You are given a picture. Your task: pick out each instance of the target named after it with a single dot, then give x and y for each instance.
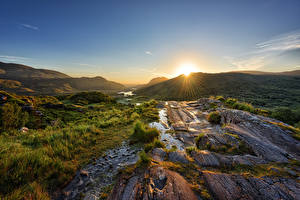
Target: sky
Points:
(133, 41)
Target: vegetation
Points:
(155, 144)
(62, 138)
(144, 160)
(295, 132)
(214, 117)
(26, 80)
(263, 90)
(142, 133)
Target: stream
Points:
(89, 182)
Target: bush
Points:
(198, 139)
(190, 149)
(230, 101)
(155, 144)
(214, 117)
(144, 160)
(144, 134)
(220, 98)
(243, 106)
(12, 116)
(286, 115)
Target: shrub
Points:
(243, 106)
(220, 98)
(285, 115)
(144, 134)
(144, 160)
(198, 139)
(230, 101)
(190, 149)
(155, 144)
(158, 144)
(12, 116)
(214, 117)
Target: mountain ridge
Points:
(261, 90)
(23, 79)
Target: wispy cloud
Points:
(86, 65)
(264, 52)
(8, 58)
(148, 53)
(28, 26)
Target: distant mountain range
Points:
(288, 73)
(23, 79)
(259, 88)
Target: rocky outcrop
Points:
(231, 187)
(260, 158)
(267, 140)
(210, 159)
(155, 183)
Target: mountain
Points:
(262, 90)
(287, 73)
(23, 79)
(17, 71)
(156, 80)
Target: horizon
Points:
(133, 42)
(175, 75)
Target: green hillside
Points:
(261, 90)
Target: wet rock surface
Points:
(89, 181)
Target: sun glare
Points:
(186, 69)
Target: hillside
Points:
(261, 90)
(17, 71)
(23, 79)
(287, 73)
(156, 80)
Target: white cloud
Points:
(148, 53)
(284, 42)
(13, 58)
(265, 51)
(28, 26)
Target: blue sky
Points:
(134, 41)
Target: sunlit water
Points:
(167, 138)
(127, 94)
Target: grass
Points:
(142, 133)
(214, 117)
(144, 161)
(37, 163)
(155, 144)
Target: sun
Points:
(186, 69)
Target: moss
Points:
(214, 117)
